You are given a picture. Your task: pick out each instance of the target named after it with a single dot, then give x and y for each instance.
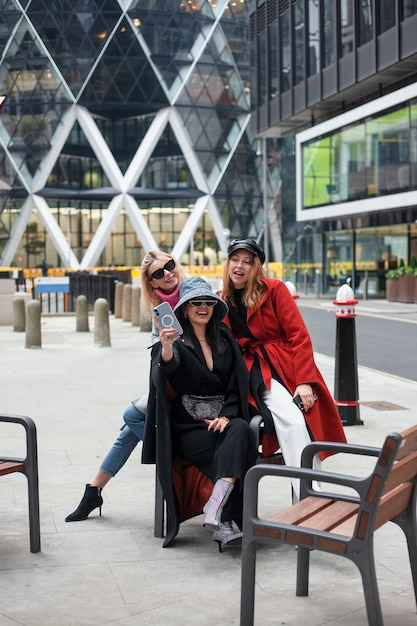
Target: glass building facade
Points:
(335, 101)
(126, 126)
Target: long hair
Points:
(213, 334)
(254, 289)
(149, 297)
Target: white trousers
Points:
(290, 428)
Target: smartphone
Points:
(297, 401)
(167, 318)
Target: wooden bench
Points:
(339, 524)
(29, 467)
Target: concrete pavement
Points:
(110, 569)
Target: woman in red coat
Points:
(278, 353)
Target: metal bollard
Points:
(306, 282)
(19, 315)
(318, 283)
(81, 314)
(33, 325)
(118, 298)
(127, 303)
(365, 286)
(135, 314)
(346, 388)
(101, 324)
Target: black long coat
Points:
(157, 442)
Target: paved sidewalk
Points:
(110, 569)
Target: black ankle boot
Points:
(90, 501)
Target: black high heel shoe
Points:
(227, 536)
(90, 501)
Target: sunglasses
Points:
(169, 266)
(199, 303)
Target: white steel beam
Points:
(102, 233)
(17, 232)
(101, 149)
(147, 146)
(139, 224)
(62, 245)
(190, 227)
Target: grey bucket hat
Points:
(196, 288)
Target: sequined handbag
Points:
(202, 407)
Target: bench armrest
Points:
(31, 439)
(306, 475)
(329, 446)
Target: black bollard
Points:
(346, 388)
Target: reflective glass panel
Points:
(346, 27)
(329, 30)
(365, 22)
(313, 38)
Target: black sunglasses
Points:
(198, 303)
(169, 266)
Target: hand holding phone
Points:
(166, 318)
(297, 400)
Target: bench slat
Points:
(401, 472)
(317, 513)
(393, 504)
(9, 467)
(301, 510)
(409, 444)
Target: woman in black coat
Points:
(198, 404)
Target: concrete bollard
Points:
(19, 315)
(81, 314)
(33, 325)
(346, 388)
(118, 299)
(127, 303)
(101, 323)
(135, 312)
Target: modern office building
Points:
(125, 127)
(334, 95)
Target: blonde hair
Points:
(255, 288)
(149, 297)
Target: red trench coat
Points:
(279, 327)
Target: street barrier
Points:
(346, 387)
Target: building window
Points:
(365, 22)
(329, 30)
(313, 38)
(386, 15)
(298, 39)
(409, 8)
(273, 60)
(346, 27)
(262, 68)
(364, 160)
(285, 41)
(262, 55)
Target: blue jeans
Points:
(125, 443)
